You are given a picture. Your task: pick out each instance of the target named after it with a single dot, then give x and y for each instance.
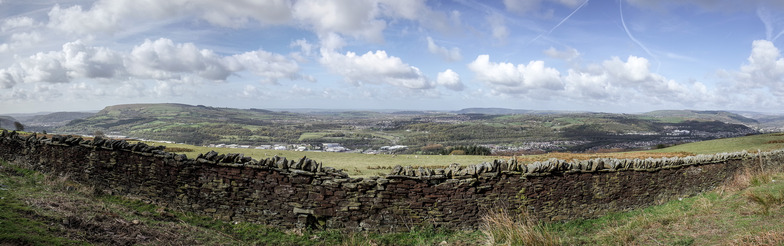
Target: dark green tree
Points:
(18, 126)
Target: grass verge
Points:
(43, 209)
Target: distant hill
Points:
(7, 122)
(175, 122)
(684, 115)
(55, 119)
(501, 111)
(527, 130)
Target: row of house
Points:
(325, 147)
(328, 147)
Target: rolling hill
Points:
(365, 130)
(7, 122)
(682, 115)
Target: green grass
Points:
(34, 207)
(746, 210)
(367, 165)
(354, 163)
(42, 209)
(713, 218)
(764, 142)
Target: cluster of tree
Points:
(439, 149)
(472, 133)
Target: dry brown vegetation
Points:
(502, 228)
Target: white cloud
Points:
(452, 54)
(271, 67)
(527, 6)
(509, 78)
(74, 20)
(17, 22)
(419, 11)
(21, 39)
(374, 68)
(44, 67)
(306, 47)
(498, 27)
(611, 81)
(110, 16)
(91, 62)
(630, 81)
(9, 78)
(161, 60)
(765, 69)
(568, 55)
(450, 79)
(331, 41)
(634, 69)
(238, 13)
(355, 18)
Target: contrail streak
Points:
(559, 23)
(628, 33)
(769, 22)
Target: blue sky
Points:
(587, 55)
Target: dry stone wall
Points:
(303, 193)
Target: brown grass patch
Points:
(501, 228)
(774, 237)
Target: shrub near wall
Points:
(303, 193)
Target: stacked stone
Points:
(303, 193)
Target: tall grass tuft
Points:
(766, 200)
(774, 237)
(749, 177)
(501, 228)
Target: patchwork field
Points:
(368, 165)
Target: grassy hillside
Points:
(56, 119)
(682, 115)
(44, 209)
(753, 143)
(362, 130)
(368, 165)
(353, 163)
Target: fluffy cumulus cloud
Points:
(17, 22)
(450, 79)
(269, 66)
(498, 27)
(84, 61)
(515, 79)
(375, 68)
(631, 81)
(570, 54)
(357, 18)
(765, 69)
(161, 59)
(109, 16)
(452, 54)
(613, 80)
